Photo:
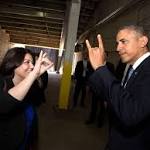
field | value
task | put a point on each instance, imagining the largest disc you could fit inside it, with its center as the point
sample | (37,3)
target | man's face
(130,45)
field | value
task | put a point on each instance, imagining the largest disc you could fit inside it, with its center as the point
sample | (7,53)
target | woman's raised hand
(42,64)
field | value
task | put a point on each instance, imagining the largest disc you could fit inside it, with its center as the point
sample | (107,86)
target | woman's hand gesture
(42,64)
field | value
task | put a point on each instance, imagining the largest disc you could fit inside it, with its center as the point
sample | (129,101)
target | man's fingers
(88,44)
(100,42)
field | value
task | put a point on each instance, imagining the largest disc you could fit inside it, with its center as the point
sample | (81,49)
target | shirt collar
(140,60)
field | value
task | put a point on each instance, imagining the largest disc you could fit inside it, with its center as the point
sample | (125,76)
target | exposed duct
(112,15)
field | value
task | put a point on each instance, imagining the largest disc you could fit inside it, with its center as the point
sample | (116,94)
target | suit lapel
(137,71)
(132,78)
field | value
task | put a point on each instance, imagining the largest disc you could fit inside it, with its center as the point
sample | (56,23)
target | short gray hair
(138,29)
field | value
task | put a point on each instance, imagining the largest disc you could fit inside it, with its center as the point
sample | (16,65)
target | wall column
(69,38)
(4,43)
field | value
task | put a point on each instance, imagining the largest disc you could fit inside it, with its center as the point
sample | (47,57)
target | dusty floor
(65,129)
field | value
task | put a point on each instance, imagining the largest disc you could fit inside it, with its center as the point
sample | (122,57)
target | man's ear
(144,41)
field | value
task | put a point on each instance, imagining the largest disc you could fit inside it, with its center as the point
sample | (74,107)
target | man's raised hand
(96,54)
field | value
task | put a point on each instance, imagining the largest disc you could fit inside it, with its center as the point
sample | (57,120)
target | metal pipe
(112,15)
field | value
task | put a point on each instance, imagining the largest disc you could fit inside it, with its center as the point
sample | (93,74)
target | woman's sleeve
(7,102)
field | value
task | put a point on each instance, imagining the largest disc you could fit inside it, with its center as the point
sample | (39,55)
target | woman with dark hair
(17,75)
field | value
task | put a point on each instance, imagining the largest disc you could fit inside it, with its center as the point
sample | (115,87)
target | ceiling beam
(25,33)
(49,5)
(30,18)
(31,24)
(30,42)
(11,9)
(32,30)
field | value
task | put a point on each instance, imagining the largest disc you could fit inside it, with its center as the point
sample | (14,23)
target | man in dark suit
(82,72)
(129,102)
(98,107)
(120,70)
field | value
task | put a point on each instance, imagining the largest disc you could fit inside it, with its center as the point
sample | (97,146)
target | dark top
(44,79)
(120,70)
(78,75)
(12,118)
(129,107)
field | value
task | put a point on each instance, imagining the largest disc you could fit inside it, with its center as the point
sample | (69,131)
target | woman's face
(25,68)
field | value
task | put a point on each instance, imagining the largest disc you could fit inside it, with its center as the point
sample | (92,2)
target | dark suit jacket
(78,75)
(129,108)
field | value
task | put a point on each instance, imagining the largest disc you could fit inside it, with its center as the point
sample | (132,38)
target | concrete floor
(65,129)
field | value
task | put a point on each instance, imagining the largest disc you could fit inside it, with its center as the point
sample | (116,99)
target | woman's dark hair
(12,59)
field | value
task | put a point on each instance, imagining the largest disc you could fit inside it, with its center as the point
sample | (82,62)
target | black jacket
(12,119)
(78,75)
(129,108)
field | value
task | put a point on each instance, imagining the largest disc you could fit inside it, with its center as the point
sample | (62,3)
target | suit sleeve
(78,70)
(131,105)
